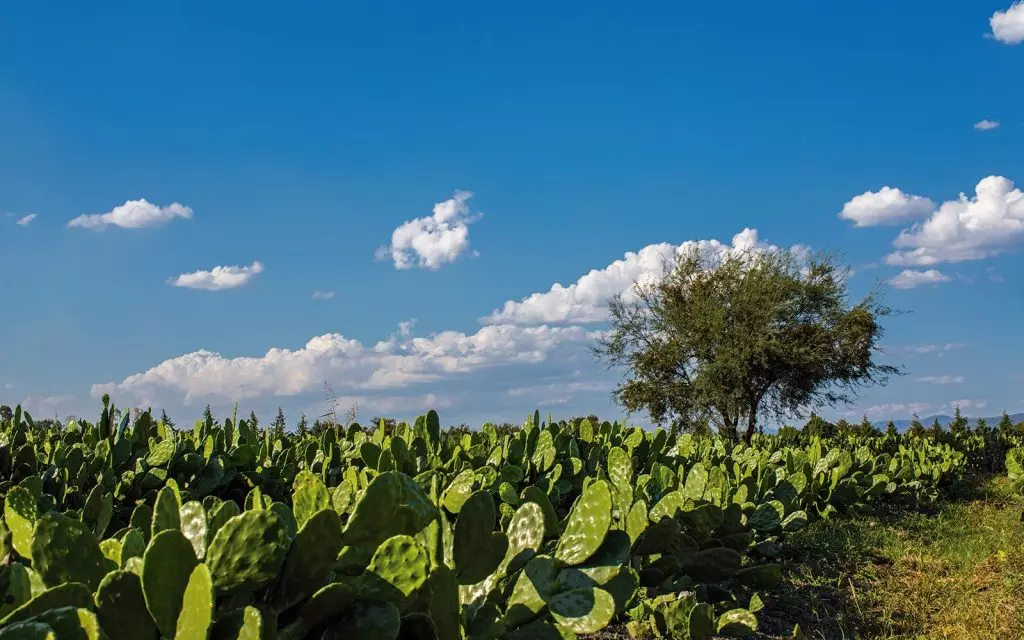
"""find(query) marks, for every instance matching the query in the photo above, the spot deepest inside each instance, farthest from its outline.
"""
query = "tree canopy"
(731, 338)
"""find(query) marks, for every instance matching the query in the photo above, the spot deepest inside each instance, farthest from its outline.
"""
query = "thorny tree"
(729, 338)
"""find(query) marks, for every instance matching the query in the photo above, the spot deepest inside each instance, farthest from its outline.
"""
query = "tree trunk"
(751, 426)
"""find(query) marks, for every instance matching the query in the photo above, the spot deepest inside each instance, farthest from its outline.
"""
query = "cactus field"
(129, 529)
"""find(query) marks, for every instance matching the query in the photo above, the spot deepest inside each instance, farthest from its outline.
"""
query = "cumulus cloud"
(969, 228)
(947, 379)
(894, 410)
(986, 125)
(389, 365)
(219, 278)
(1008, 26)
(133, 214)
(47, 406)
(909, 278)
(323, 295)
(24, 221)
(968, 404)
(885, 206)
(433, 241)
(585, 301)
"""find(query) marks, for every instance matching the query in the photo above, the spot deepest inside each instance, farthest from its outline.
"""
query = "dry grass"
(956, 573)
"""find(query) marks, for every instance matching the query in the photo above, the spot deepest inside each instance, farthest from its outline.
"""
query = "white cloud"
(986, 125)
(348, 364)
(968, 404)
(894, 410)
(433, 241)
(323, 295)
(922, 349)
(967, 228)
(1008, 26)
(218, 278)
(946, 379)
(885, 206)
(41, 407)
(585, 300)
(24, 221)
(133, 214)
(909, 278)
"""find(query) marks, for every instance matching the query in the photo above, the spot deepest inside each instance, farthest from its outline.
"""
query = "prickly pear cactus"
(121, 608)
(309, 495)
(20, 512)
(248, 551)
(65, 550)
(582, 610)
(167, 566)
(367, 621)
(310, 559)
(398, 568)
(166, 511)
(587, 526)
(478, 548)
(403, 503)
(197, 606)
(192, 517)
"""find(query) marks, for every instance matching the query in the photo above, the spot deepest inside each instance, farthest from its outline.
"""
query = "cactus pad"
(367, 621)
(478, 548)
(390, 505)
(582, 610)
(587, 525)
(66, 550)
(310, 558)
(247, 552)
(525, 534)
(122, 608)
(309, 495)
(166, 511)
(196, 607)
(20, 513)
(71, 594)
(167, 566)
(713, 565)
(399, 567)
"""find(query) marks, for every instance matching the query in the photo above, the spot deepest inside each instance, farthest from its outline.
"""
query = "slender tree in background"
(890, 429)
(6, 414)
(279, 424)
(916, 428)
(254, 422)
(936, 429)
(959, 423)
(742, 336)
(303, 425)
(208, 416)
(1005, 423)
(166, 419)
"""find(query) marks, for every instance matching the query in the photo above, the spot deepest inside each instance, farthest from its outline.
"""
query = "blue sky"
(290, 146)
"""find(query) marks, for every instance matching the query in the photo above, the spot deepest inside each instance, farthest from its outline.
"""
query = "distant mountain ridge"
(944, 420)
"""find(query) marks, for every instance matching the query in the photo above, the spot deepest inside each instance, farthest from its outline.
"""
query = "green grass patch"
(956, 571)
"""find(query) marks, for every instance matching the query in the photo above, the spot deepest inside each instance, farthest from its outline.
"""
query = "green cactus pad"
(712, 565)
(66, 550)
(552, 527)
(20, 512)
(701, 622)
(767, 517)
(444, 603)
(142, 519)
(394, 495)
(587, 525)
(582, 610)
(620, 475)
(535, 585)
(325, 604)
(478, 548)
(72, 623)
(637, 520)
(398, 567)
(542, 629)
(71, 594)
(367, 621)
(122, 608)
(167, 566)
(247, 552)
(456, 494)
(196, 607)
(309, 496)
(795, 521)
(192, 517)
(166, 511)
(525, 534)
(310, 559)
(218, 516)
(111, 549)
(133, 545)
(417, 626)
(737, 623)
